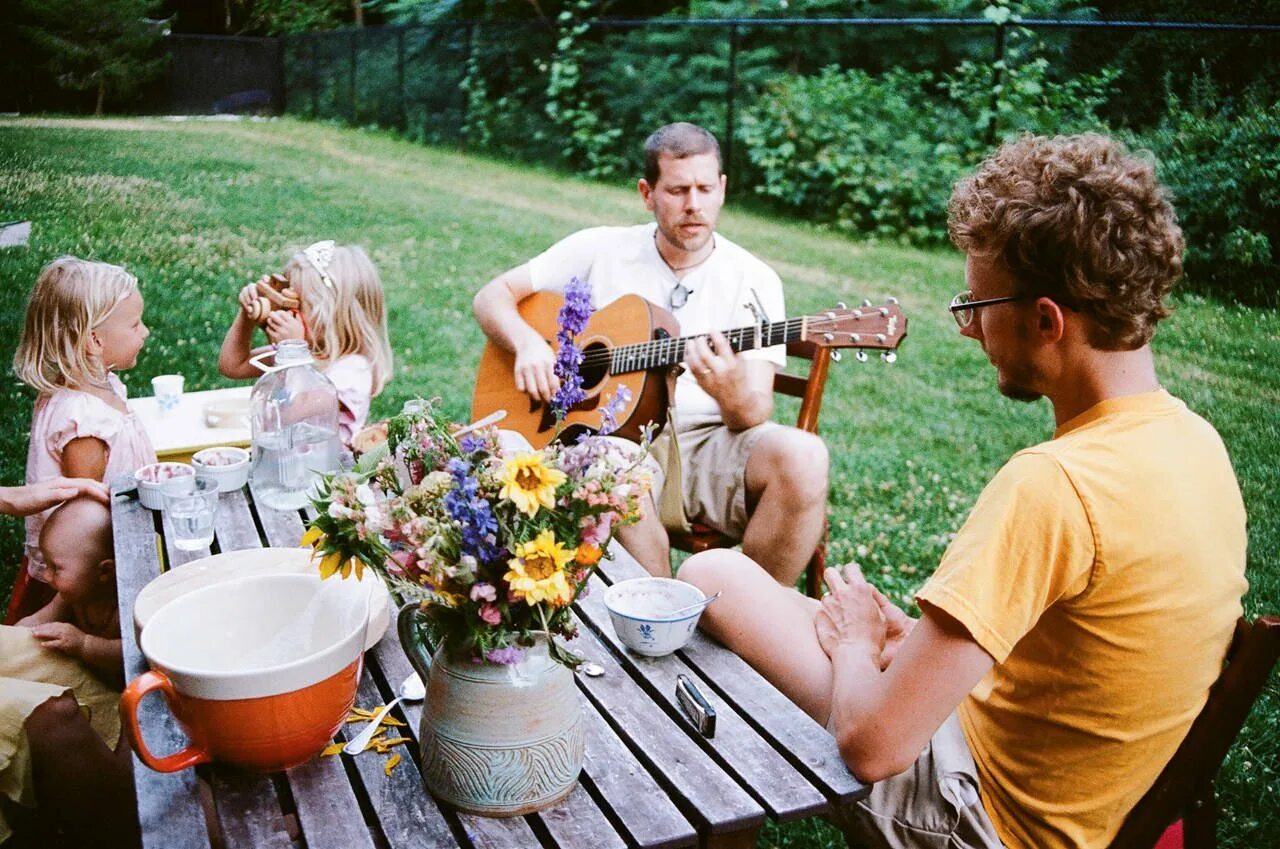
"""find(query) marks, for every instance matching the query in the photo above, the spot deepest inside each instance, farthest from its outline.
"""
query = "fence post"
(997, 77)
(729, 102)
(351, 81)
(404, 113)
(282, 78)
(315, 76)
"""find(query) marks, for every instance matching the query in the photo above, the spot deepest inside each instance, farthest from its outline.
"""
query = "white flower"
(337, 511)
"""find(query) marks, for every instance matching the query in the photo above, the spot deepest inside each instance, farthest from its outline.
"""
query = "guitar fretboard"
(661, 353)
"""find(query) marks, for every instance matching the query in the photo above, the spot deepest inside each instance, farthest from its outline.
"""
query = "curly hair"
(1080, 220)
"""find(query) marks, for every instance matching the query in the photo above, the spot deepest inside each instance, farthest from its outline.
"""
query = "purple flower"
(572, 320)
(472, 513)
(472, 443)
(504, 655)
(609, 415)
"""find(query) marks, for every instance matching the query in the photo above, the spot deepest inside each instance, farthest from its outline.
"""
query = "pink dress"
(352, 375)
(69, 414)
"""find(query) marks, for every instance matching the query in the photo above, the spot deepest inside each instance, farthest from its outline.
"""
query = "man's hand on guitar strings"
(713, 362)
(535, 371)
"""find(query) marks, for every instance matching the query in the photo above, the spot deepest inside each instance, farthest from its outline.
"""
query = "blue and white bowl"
(641, 609)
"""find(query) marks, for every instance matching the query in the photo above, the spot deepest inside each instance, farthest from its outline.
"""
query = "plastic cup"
(190, 505)
(168, 391)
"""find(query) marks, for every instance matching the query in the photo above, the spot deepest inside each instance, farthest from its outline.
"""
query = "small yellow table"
(185, 430)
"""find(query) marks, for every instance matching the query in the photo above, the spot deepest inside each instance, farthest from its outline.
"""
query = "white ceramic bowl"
(149, 478)
(226, 464)
(641, 609)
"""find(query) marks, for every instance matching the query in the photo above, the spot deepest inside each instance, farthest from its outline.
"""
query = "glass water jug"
(293, 414)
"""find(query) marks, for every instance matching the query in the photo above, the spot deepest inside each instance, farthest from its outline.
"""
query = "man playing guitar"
(742, 473)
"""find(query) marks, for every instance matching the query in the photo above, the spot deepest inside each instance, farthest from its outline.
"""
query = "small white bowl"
(149, 478)
(226, 464)
(641, 608)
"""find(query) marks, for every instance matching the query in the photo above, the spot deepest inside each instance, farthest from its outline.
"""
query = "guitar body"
(629, 320)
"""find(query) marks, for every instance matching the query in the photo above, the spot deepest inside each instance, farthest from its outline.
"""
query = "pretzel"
(262, 307)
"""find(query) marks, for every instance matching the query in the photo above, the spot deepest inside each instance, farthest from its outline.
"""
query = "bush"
(1221, 158)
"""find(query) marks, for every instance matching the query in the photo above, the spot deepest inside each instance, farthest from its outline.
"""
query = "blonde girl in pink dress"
(83, 324)
(340, 315)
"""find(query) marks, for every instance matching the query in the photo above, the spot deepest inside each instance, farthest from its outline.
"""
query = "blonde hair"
(348, 318)
(71, 297)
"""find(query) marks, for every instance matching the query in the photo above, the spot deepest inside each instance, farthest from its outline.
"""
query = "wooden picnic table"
(650, 780)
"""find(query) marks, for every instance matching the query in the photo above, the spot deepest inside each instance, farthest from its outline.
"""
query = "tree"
(105, 46)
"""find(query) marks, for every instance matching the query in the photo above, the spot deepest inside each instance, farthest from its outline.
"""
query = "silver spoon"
(411, 690)
(675, 614)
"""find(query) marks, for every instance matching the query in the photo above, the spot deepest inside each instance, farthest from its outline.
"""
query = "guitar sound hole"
(595, 365)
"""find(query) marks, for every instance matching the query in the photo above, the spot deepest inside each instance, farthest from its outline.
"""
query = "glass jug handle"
(257, 362)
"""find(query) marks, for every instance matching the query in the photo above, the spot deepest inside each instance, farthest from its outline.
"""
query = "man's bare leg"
(753, 614)
(647, 542)
(786, 480)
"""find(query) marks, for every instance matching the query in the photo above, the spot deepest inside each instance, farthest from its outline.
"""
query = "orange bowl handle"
(193, 754)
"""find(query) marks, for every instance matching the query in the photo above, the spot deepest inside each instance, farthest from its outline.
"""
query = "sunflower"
(537, 571)
(528, 483)
(332, 561)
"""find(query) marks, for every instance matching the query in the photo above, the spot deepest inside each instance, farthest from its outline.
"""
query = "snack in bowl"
(369, 437)
(150, 476)
(641, 612)
(226, 464)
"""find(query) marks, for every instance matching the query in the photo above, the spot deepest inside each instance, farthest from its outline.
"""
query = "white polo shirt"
(619, 261)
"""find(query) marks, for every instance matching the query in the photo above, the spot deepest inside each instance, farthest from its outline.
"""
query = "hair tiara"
(320, 255)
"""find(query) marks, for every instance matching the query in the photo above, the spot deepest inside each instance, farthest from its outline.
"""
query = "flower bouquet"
(488, 548)
(494, 546)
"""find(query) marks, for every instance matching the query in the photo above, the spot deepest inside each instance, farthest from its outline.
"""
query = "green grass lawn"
(197, 209)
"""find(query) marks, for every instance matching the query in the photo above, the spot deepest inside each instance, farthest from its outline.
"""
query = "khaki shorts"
(933, 805)
(713, 464)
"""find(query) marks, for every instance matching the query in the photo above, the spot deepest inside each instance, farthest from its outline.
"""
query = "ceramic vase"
(497, 740)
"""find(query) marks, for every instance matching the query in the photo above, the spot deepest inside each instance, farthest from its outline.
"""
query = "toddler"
(83, 324)
(339, 312)
(60, 674)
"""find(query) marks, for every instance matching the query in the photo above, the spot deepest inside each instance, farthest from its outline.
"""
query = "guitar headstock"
(876, 326)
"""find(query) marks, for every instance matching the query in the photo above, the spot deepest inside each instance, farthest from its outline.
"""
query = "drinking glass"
(190, 503)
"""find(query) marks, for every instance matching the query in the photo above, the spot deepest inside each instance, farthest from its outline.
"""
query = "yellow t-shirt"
(1103, 571)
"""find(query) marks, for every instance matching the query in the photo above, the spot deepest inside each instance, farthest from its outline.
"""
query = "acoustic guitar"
(634, 343)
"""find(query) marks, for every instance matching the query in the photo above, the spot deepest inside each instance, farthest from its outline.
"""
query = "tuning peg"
(835, 356)
(884, 312)
(860, 356)
(881, 338)
(840, 305)
(866, 302)
(855, 337)
(828, 337)
(830, 316)
(889, 357)
(891, 300)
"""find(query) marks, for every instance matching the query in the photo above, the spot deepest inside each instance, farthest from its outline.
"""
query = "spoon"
(675, 614)
(411, 690)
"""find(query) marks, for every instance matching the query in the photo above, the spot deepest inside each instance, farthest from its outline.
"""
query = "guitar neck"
(661, 353)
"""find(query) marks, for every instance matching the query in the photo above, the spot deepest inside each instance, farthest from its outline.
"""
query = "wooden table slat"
(756, 764)
(409, 817)
(577, 822)
(282, 527)
(709, 795)
(233, 527)
(248, 810)
(797, 735)
(650, 818)
(169, 807)
(327, 807)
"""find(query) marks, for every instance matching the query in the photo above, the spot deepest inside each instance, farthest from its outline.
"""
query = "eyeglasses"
(963, 305)
(679, 296)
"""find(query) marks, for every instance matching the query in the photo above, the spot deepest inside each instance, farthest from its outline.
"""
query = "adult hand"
(36, 497)
(849, 615)
(714, 363)
(897, 625)
(284, 324)
(535, 371)
(60, 636)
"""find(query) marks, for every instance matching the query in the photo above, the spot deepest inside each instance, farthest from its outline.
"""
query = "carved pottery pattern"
(502, 779)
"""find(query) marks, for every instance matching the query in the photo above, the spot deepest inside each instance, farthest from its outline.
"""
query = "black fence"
(428, 81)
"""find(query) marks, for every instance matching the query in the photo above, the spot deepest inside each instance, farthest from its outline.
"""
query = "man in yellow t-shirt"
(1072, 631)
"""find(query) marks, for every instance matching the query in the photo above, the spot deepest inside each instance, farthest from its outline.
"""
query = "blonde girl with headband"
(331, 296)
(83, 324)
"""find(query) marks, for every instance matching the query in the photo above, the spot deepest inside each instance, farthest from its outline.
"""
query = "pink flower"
(489, 613)
(595, 529)
(483, 592)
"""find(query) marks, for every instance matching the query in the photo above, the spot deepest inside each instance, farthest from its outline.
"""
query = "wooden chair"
(809, 389)
(1183, 794)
